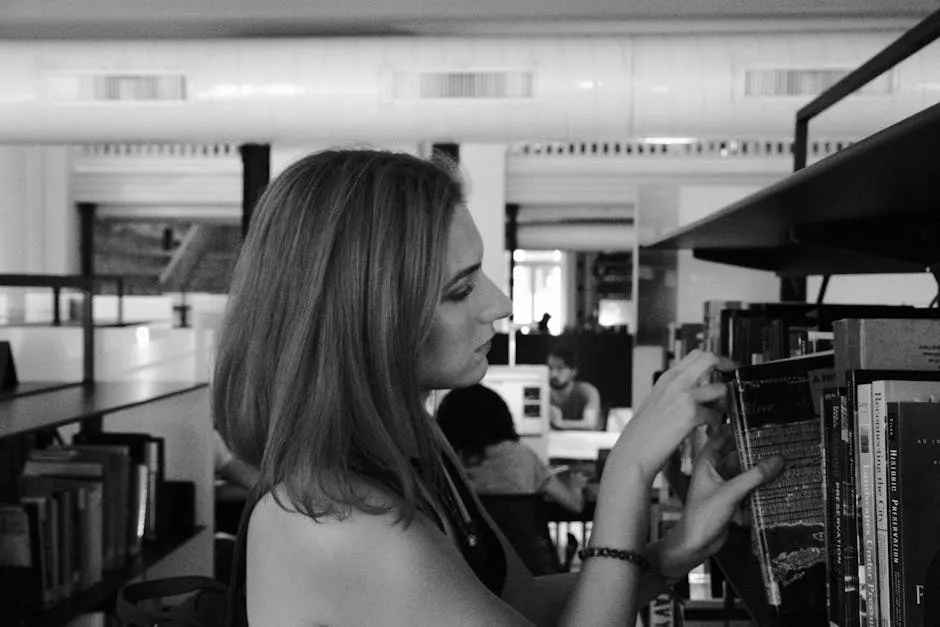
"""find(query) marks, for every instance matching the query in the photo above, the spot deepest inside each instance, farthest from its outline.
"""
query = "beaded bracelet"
(620, 554)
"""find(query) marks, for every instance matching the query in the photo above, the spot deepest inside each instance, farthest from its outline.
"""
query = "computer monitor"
(526, 392)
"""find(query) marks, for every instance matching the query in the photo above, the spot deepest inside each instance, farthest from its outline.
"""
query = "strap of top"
(479, 544)
(237, 611)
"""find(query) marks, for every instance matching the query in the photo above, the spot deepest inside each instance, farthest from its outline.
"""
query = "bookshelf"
(76, 403)
(140, 400)
(870, 208)
(87, 601)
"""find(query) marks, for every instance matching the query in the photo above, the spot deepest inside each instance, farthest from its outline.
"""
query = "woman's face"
(454, 354)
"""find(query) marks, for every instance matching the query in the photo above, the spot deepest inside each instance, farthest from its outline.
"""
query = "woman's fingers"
(709, 393)
(697, 366)
(736, 489)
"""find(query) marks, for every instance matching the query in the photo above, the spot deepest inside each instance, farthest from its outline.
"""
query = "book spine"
(849, 513)
(96, 538)
(37, 508)
(745, 452)
(868, 554)
(832, 494)
(880, 456)
(152, 460)
(141, 494)
(894, 519)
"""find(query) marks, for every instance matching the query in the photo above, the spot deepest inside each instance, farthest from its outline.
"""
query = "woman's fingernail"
(774, 464)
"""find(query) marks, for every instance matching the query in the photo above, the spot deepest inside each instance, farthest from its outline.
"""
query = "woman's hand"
(682, 399)
(716, 490)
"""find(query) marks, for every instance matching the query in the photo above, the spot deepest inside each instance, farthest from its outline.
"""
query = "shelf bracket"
(822, 289)
(934, 269)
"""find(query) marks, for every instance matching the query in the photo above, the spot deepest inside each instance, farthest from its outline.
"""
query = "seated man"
(574, 404)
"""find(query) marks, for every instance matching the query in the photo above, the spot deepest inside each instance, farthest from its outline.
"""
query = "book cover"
(889, 343)
(912, 416)
(873, 543)
(832, 462)
(773, 413)
(914, 489)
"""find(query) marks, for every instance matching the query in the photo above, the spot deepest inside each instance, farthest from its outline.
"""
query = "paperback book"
(774, 413)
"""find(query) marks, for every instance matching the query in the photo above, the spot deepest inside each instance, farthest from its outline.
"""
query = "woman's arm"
(568, 495)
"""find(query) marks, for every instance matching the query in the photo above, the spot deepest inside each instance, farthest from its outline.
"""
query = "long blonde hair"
(332, 298)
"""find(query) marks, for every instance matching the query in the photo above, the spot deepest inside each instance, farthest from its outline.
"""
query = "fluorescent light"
(668, 140)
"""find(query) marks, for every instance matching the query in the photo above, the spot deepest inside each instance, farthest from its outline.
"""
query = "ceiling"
(120, 19)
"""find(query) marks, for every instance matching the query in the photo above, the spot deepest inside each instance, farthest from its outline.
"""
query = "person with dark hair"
(575, 404)
(357, 292)
(478, 425)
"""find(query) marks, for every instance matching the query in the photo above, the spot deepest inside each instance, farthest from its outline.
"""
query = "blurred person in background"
(574, 404)
(479, 426)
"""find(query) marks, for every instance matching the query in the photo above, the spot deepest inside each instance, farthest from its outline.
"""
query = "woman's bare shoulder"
(356, 569)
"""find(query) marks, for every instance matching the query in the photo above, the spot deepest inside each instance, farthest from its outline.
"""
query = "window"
(539, 287)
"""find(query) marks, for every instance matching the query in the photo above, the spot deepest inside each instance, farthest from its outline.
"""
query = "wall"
(877, 289)
(700, 281)
(484, 169)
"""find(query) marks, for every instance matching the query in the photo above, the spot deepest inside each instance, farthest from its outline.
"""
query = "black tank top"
(478, 543)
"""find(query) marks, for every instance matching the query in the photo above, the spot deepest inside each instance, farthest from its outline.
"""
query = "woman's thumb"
(738, 488)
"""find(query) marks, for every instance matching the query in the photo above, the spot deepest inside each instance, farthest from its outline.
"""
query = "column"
(39, 231)
(484, 169)
(256, 173)
(701, 281)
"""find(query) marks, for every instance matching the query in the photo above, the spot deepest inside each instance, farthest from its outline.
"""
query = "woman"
(358, 290)
(478, 426)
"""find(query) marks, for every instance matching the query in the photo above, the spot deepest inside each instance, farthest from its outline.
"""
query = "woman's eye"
(464, 292)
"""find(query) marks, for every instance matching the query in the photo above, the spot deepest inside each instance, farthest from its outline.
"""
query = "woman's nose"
(500, 306)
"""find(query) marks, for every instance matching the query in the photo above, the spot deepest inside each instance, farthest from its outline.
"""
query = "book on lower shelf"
(79, 513)
(773, 412)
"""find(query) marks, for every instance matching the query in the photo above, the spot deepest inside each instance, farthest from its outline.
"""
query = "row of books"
(752, 333)
(848, 534)
(80, 510)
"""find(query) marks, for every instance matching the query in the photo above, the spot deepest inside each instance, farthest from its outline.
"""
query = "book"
(755, 332)
(841, 582)
(67, 465)
(889, 343)
(40, 521)
(65, 535)
(871, 553)
(120, 504)
(911, 503)
(21, 583)
(664, 610)
(773, 413)
(86, 527)
(867, 537)
(146, 476)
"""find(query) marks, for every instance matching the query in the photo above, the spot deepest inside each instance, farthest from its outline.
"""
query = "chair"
(522, 520)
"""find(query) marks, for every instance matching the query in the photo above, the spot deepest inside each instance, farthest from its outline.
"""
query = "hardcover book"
(773, 412)
(913, 466)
